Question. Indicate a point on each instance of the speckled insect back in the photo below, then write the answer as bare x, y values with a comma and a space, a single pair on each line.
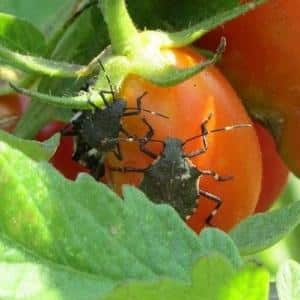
172, 177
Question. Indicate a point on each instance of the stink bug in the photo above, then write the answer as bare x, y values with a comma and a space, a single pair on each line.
96, 132
172, 177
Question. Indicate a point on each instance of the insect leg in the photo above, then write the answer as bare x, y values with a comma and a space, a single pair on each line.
215, 175
203, 135
214, 198
147, 151
128, 169
79, 12
102, 95
117, 152
195, 153
98, 170
143, 141
137, 110
93, 105
126, 132
149, 134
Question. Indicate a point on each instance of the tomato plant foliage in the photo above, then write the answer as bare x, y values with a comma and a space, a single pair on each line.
92, 238
65, 239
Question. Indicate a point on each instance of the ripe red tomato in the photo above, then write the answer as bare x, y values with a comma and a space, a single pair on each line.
233, 152
275, 172
263, 64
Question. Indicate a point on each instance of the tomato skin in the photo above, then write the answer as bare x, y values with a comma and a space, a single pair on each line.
262, 62
233, 152
275, 172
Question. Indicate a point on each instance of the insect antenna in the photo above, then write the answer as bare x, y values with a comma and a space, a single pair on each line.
79, 12
226, 128
230, 127
107, 78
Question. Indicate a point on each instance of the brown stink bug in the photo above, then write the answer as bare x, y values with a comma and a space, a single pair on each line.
172, 177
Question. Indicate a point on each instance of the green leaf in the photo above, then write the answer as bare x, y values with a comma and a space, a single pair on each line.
271, 226
288, 247
83, 229
288, 281
33, 149
214, 240
197, 30
289, 195
166, 74
25, 276
180, 15
252, 283
46, 15
213, 278
42, 66
88, 37
20, 36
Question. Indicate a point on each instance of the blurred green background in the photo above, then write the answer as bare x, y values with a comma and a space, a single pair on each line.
289, 247
46, 15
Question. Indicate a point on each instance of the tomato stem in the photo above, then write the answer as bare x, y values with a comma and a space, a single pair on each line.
123, 34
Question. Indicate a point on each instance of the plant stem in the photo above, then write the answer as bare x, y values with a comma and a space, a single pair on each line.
123, 33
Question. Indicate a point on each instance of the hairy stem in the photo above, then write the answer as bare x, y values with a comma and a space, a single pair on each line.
123, 33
